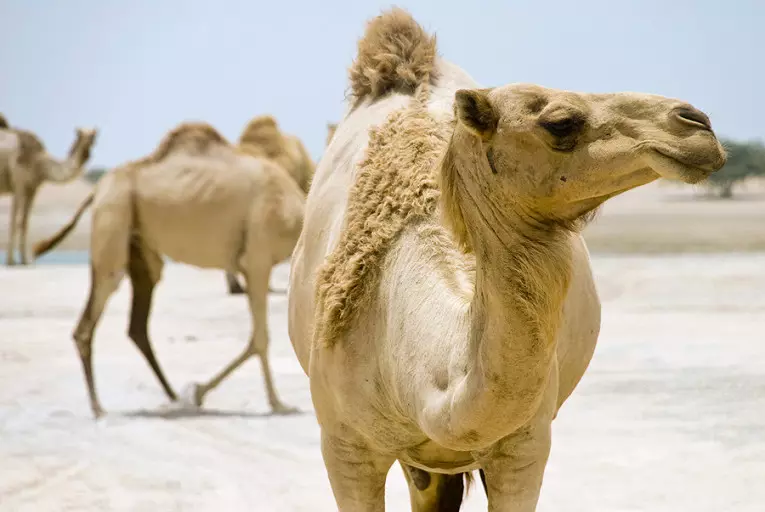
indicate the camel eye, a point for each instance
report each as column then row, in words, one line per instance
column 563, row 127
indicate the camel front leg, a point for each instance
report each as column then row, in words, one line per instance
column 515, row 465
column 515, row 469
column 357, row 475
column 26, row 208
column 257, row 294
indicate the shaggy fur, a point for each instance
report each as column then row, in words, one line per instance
column 396, row 185
column 395, row 55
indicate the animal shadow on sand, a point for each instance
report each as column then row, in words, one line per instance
column 180, row 413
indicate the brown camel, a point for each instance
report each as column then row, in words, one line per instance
column 200, row 201
column 25, row 166
column 455, row 308
column 263, row 138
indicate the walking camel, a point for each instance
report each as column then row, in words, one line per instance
column 261, row 138
column 200, row 201
column 25, row 165
column 455, row 309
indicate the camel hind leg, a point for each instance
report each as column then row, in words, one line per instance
column 110, row 236
column 434, row 492
column 145, row 271
column 234, row 288
column 26, row 208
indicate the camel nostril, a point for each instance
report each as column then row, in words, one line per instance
column 692, row 116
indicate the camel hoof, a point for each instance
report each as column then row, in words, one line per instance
column 192, row 395
column 284, row 410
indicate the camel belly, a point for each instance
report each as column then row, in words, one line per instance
column 434, row 458
column 199, row 237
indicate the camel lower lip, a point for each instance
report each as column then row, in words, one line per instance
column 687, row 166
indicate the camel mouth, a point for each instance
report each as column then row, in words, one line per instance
column 674, row 167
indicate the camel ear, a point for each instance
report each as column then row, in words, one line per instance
column 475, row 112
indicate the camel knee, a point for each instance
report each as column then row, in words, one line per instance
column 84, row 341
column 258, row 346
column 259, row 342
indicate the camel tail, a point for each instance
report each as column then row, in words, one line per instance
column 49, row 243
column 394, row 55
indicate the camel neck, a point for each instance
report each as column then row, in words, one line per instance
column 522, row 276
column 66, row 170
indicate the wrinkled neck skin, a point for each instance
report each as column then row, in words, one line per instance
column 522, row 275
column 63, row 171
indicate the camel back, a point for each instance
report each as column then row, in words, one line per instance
column 195, row 138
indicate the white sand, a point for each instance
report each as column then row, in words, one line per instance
column 669, row 417
column 661, row 217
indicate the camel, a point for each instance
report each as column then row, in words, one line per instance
column 263, row 138
column 260, row 138
column 25, row 166
column 201, row 201
column 441, row 299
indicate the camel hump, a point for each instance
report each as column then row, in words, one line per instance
column 261, row 137
column 193, row 137
column 394, row 55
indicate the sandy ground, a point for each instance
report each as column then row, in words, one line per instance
column 659, row 218
column 669, row 417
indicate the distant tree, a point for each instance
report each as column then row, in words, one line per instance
column 745, row 159
column 94, row 174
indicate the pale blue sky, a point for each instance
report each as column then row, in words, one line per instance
column 137, row 68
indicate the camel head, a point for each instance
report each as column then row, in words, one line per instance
column 83, row 143
column 559, row 154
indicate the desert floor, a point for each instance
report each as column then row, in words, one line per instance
column 661, row 217
column 669, row 417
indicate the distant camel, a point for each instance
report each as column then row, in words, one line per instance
column 263, row 138
column 200, row 201
column 24, row 166
column 454, row 304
